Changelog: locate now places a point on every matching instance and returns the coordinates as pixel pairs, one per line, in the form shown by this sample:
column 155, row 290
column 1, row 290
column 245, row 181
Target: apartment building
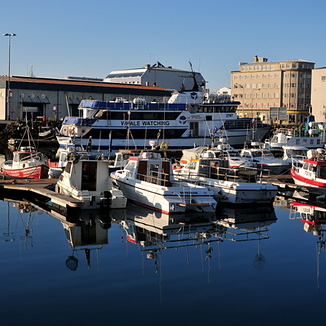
column 273, row 91
column 318, row 94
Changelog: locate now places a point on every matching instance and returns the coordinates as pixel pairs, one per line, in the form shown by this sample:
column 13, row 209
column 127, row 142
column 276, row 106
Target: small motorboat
column 87, row 178
column 148, row 180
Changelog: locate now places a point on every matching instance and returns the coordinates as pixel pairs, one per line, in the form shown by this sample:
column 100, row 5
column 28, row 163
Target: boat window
column 203, row 168
column 89, row 176
column 311, row 167
column 130, row 167
column 194, row 128
column 323, row 171
column 256, row 154
column 63, row 157
column 16, row 158
column 306, row 166
column 233, row 154
column 246, row 154
column 191, row 165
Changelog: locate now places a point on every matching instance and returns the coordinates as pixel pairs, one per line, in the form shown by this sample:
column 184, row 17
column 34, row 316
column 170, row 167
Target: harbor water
column 250, row 267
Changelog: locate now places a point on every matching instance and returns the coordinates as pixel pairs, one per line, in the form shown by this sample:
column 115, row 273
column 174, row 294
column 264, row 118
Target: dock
column 39, row 191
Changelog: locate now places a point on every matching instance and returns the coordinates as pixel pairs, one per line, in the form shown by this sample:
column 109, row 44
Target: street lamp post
column 8, row 88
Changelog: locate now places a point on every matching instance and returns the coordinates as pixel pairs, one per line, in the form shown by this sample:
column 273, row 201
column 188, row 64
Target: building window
column 323, row 79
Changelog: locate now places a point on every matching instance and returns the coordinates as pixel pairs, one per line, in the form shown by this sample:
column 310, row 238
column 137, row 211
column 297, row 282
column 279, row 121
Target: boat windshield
column 234, row 154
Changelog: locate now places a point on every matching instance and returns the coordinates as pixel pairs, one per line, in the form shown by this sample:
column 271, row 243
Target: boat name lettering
column 146, row 123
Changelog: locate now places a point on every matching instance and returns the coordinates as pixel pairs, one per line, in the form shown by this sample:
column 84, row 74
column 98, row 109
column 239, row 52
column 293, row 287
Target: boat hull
column 167, row 200
column 34, row 172
column 303, row 181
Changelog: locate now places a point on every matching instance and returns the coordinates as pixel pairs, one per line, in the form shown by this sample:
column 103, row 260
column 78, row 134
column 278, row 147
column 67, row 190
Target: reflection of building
column 261, row 85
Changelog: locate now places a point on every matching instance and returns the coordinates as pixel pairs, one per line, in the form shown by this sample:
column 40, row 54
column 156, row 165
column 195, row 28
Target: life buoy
column 164, row 145
column 71, row 131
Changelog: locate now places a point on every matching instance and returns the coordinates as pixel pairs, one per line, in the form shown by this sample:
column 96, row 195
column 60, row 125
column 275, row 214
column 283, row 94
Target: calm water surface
column 252, row 267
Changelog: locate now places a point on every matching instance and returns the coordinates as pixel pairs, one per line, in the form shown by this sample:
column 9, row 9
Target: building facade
column 273, row 91
column 318, row 94
column 56, row 98
column 157, row 75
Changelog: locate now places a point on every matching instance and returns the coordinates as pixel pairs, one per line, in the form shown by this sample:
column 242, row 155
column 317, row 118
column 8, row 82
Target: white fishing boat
column 121, row 159
column 297, row 153
column 148, row 181
column 313, row 135
column 263, row 159
column 230, row 185
column 222, row 150
column 87, row 178
column 188, row 117
column 312, row 173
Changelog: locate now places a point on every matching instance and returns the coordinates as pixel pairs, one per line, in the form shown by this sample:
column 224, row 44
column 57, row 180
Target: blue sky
column 91, row 38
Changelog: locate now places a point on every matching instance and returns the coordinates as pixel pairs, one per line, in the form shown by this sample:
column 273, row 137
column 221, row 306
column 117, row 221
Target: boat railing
column 156, row 177
column 246, row 174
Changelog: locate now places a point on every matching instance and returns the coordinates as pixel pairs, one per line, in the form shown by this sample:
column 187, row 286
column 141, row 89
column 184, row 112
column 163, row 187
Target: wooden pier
column 39, row 190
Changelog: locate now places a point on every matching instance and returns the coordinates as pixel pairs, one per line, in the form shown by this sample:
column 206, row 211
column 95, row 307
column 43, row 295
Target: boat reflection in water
column 89, row 234
column 26, row 213
column 314, row 221
column 154, row 232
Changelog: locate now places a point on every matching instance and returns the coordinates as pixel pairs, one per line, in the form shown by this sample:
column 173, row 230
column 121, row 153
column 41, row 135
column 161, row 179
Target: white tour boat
column 87, row 178
column 187, row 118
column 148, row 181
column 230, row 185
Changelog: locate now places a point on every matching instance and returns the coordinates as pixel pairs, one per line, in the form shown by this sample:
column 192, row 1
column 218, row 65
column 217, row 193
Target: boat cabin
column 150, row 167
column 26, row 157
